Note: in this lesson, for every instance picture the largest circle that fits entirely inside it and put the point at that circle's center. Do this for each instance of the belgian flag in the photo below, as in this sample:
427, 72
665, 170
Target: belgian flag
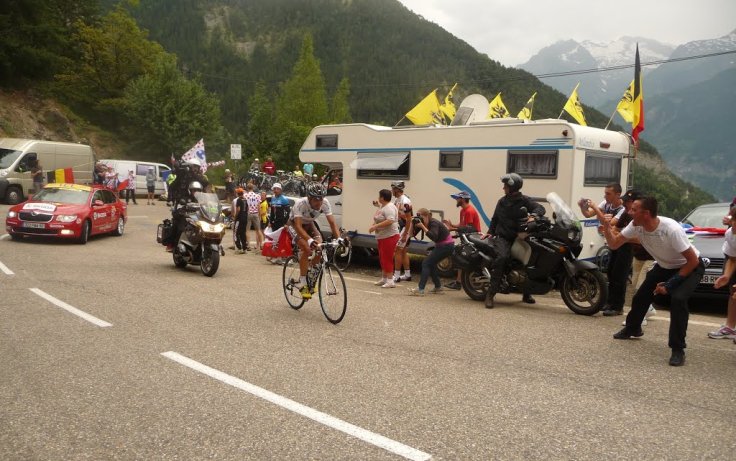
637, 95
65, 175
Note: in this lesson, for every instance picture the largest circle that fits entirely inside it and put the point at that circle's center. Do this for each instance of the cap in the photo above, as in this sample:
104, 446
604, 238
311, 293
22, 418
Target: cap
227, 170
631, 194
255, 160
276, 186
461, 194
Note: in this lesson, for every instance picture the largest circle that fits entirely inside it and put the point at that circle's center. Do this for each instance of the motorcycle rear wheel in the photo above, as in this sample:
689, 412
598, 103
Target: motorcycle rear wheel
210, 262
585, 293
475, 284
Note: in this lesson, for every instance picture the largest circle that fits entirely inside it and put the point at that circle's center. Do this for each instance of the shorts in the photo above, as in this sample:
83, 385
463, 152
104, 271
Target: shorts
310, 229
151, 189
254, 222
401, 244
230, 187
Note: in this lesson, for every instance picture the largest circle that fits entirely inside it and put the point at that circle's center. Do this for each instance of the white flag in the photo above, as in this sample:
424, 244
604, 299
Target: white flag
197, 154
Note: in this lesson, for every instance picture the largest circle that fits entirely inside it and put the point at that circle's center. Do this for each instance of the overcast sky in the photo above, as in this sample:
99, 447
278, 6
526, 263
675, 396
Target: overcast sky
512, 31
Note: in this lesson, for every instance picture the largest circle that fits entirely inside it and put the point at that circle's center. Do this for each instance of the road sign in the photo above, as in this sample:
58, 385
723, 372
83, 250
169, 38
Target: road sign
235, 152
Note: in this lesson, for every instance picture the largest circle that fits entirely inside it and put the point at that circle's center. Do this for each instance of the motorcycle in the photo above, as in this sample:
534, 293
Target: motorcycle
543, 257
200, 241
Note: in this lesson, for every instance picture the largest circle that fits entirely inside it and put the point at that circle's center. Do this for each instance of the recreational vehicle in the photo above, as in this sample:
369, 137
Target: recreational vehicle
435, 161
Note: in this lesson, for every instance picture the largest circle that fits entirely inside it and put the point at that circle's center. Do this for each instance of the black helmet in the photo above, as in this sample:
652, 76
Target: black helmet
398, 185
513, 180
315, 190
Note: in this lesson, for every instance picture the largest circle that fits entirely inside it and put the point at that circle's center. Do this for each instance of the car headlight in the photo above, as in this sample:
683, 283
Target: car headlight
12, 214
207, 227
66, 218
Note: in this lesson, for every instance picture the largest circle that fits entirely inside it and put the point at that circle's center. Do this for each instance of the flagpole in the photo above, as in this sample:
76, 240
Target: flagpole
611, 119
402, 119
568, 100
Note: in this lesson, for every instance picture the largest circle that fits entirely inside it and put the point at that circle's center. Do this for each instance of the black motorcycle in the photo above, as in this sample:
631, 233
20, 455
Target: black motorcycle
543, 257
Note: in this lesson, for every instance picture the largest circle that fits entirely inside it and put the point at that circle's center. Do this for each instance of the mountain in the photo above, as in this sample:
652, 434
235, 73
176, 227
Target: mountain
598, 87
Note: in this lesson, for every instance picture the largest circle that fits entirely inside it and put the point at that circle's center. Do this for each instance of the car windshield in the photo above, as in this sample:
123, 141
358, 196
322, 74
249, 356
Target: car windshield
707, 216
7, 157
52, 194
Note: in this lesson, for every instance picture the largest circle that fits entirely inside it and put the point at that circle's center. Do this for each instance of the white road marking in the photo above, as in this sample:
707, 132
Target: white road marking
5, 269
372, 292
355, 279
315, 415
4, 236
137, 216
90, 318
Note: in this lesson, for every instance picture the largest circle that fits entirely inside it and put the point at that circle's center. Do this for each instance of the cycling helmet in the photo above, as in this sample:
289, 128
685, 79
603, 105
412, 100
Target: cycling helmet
513, 180
315, 190
194, 187
398, 185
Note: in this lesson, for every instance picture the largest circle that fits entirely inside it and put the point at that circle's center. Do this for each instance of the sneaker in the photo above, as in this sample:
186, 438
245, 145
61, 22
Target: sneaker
437, 291
380, 282
389, 284
405, 278
306, 292
628, 333
239, 252
724, 332
454, 285
397, 279
416, 292
652, 311
678, 358
611, 312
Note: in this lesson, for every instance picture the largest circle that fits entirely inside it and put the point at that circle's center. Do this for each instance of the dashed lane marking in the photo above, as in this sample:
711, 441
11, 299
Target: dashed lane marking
308, 412
4, 236
5, 269
71, 309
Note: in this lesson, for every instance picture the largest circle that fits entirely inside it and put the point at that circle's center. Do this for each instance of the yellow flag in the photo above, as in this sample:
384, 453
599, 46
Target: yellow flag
625, 106
574, 108
427, 111
448, 108
526, 112
497, 109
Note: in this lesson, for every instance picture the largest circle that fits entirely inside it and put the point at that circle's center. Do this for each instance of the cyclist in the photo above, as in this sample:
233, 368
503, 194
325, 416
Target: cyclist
306, 235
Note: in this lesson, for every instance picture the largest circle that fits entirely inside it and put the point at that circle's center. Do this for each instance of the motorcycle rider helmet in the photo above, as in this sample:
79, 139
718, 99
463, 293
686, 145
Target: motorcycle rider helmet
194, 187
398, 185
513, 180
315, 190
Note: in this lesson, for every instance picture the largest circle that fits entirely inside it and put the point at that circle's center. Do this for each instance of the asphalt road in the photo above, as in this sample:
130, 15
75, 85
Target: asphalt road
190, 367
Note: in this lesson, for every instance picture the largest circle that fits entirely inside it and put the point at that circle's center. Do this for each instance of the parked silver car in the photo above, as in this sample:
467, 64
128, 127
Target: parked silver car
710, 246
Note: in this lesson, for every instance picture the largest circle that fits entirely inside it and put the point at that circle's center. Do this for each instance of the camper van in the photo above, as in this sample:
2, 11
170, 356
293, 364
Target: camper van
122, 167
17, 157
435, 161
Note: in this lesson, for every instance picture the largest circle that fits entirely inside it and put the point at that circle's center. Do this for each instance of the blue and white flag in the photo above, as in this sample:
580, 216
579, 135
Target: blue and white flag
197, 154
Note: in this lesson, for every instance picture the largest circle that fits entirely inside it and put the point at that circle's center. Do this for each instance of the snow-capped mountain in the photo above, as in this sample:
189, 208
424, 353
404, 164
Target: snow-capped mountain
595, 88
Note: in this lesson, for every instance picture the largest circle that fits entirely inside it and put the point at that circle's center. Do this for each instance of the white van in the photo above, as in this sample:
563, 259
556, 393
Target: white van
436, 161
17, 157
140, 169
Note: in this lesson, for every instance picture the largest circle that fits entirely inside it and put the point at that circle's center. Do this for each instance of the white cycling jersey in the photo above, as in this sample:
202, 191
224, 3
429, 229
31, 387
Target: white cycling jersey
302, 209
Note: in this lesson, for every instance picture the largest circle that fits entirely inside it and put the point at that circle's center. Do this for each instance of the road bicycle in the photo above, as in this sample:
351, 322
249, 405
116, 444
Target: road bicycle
323, 279
343, 252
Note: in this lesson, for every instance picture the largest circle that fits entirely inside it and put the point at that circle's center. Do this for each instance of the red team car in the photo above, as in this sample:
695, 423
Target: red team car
68, 211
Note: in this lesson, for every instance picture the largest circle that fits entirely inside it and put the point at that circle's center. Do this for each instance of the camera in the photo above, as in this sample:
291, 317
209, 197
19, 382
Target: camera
416, 219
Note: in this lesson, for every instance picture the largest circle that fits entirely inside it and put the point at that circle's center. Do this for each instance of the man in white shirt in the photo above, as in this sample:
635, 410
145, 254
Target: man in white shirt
673, 278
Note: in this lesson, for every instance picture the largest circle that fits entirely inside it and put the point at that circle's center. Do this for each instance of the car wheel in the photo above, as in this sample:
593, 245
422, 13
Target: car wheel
14, 196
121, 227
84, 235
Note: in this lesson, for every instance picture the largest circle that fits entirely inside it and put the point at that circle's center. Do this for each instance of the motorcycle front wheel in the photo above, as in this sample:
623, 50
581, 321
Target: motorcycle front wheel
586, 292
210, 262
475, 284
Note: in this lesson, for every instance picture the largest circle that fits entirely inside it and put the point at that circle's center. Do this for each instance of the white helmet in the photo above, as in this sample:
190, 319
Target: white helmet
194, 187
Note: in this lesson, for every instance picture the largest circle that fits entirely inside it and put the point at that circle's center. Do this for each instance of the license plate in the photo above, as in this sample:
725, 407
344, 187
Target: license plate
708, 279
35, 225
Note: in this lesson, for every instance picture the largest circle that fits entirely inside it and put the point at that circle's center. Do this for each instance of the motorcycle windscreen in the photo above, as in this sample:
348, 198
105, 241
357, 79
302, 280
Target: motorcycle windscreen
209, 204
563, 214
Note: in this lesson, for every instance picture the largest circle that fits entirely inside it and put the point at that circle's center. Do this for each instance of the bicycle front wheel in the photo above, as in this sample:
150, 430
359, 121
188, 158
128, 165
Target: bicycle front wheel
333, 295
290, 277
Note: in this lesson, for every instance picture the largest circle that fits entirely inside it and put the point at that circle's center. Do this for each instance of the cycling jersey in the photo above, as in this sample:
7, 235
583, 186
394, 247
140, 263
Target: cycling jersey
302, 209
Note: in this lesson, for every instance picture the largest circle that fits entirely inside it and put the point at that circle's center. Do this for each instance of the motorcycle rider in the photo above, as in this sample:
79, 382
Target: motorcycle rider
189, 180
505, 227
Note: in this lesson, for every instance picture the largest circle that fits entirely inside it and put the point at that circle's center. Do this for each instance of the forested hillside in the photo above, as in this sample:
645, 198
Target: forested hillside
162, 74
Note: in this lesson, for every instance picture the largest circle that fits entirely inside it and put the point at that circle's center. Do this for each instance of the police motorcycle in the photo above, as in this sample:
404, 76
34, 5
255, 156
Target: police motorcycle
200, 240
543, 257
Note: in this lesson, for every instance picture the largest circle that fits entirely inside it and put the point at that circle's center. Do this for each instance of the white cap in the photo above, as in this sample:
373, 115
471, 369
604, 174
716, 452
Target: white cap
227, 170
276, 186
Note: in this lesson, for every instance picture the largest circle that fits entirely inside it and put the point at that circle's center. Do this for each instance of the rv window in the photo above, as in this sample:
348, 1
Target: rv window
601, 169
382, 165
451, 160
533, 164
326, 141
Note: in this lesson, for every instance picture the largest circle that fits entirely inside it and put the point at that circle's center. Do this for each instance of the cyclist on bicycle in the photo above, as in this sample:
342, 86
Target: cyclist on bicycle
302, 227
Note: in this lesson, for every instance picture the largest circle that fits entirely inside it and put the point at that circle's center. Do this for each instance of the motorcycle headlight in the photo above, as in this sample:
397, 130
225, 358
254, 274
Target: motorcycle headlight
207, 227
12, 214
66, 218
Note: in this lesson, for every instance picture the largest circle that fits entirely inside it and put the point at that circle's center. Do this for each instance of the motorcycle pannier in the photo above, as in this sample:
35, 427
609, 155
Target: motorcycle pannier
164, 232
465, 255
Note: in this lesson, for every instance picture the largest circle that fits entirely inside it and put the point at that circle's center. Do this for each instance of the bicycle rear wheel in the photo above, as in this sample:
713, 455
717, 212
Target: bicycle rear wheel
291, 274
333, 295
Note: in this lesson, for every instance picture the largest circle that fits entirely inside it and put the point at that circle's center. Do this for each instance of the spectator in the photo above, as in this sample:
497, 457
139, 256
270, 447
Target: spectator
255, 165
151, 185
111, 179
240, 213
611, 204
269, 167
280, 208
298, 171
234, 216
37, 176
401, 257
99, 173
130, 188
334, 184
263, 210
229, 185
386, 227
642, 261
728, 330
469, 222
673, 278
438, 233
308, 170
253, 202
